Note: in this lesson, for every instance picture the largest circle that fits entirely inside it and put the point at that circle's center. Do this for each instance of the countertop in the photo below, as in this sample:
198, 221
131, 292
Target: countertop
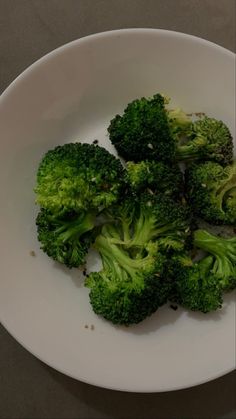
28, 30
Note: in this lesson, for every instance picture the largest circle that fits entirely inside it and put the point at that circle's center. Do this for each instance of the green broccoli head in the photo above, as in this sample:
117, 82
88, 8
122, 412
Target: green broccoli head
210, 139
223, 253
159, 217
143, 132
156, 177
75, 177
195, 286
65, 238
211, 191
128, 288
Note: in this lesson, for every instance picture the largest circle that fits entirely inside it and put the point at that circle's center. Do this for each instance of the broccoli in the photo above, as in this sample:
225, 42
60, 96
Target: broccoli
75, 177
211, 192
143, 131
208, 139
195, 287
159, 217
129, 287
223, 251
66, 238
180, 124
200, 285
155, 177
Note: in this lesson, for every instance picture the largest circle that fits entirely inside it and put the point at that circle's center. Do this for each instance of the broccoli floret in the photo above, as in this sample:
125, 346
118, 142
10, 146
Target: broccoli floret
200, 285
209, 139
195, 286
129, 287
223, 251
65, 238
180, 124
211, 190
143, 131
75, 177
155, 177
159, 217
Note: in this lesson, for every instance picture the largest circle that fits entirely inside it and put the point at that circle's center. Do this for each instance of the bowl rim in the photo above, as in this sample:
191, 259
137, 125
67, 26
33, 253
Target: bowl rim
104, 34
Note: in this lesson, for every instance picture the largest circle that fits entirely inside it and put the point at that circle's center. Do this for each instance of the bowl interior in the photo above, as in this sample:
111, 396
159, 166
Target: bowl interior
71, 95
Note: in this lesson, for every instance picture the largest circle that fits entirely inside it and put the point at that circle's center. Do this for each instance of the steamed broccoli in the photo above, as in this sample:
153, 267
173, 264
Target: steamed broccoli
155, 177
207, 139
75, 177
143, 131
129, 287
195, 286
180, 124
200, 285
65, 238
159, 217
211, 191
148, 130
223, 251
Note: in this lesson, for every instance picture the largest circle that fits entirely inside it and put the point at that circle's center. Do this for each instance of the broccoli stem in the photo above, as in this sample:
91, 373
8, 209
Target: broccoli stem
76, 228
191, 150
119, 260
146, 230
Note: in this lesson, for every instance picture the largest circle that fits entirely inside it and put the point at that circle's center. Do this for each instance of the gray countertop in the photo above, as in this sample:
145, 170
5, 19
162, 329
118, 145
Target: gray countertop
29, 29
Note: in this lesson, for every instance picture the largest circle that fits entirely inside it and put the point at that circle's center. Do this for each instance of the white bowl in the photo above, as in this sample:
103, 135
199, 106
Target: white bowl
71, 94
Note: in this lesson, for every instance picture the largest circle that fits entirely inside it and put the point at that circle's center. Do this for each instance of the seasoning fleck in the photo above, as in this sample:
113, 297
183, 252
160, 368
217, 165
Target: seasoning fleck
32, 253
86, 326
95, 142
92, 327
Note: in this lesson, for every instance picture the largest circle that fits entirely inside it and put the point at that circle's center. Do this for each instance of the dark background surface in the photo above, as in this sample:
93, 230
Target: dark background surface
28, 30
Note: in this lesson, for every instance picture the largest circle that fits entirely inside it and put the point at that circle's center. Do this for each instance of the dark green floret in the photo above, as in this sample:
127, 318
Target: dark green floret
196, 287
211, 192
207, 139
200, 285
65, 238
143, 131
223, 251
159, 217
75, 177
129, 287
155, 177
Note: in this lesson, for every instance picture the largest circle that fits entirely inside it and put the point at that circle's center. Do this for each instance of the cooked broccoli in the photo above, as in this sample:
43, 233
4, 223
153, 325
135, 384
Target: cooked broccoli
75, 177
223, 251
129, 287
143, 131
65, 238
200, 285
180, 124
159, 217
211, 191
209, 139
155, 177
195, 286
